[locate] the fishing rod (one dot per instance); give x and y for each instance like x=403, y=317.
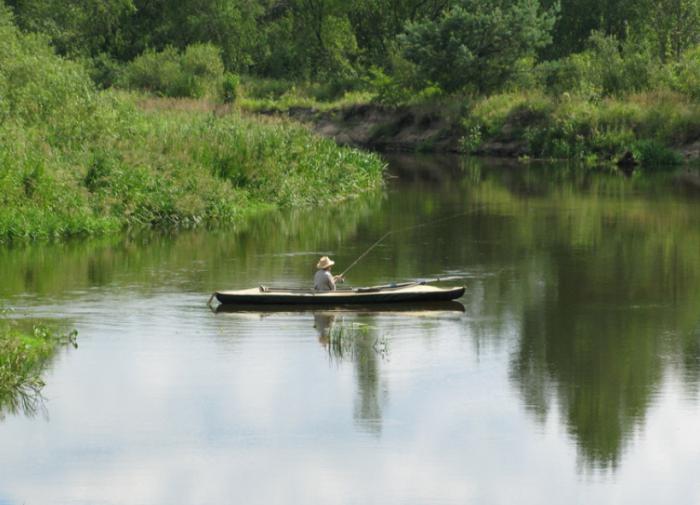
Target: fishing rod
x=365, y=253
x=429, y=223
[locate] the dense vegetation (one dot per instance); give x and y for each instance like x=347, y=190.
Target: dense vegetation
x=77, y=161
x=597, y=78
x=333, y=41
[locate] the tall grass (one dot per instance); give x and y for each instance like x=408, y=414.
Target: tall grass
x=75, y=161
x=258, y=94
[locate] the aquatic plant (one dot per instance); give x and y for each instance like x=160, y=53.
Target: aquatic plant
x=24, y=354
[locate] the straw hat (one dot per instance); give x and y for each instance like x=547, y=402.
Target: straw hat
x=325, y=262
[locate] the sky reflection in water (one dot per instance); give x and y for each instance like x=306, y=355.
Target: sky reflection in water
x=570, y=377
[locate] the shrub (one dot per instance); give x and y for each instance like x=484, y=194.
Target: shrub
x=389, y=91
x=684, y=75
x=230, y=85
x=606, y=68
x=195, y=73
x=653, y=154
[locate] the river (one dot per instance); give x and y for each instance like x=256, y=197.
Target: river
x=570, y=373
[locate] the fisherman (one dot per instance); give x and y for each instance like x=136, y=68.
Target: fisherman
x=324, y=280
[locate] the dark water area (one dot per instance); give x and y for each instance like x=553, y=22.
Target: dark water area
x=570, y=373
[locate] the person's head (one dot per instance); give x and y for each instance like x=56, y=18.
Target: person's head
x=325, y=263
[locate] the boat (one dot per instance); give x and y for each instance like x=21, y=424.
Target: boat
x=385, y=294
x=405, y=308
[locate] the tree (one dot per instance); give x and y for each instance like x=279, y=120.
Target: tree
x=578, y=19
x=376, y=23
x=75, y=27
x=308, y=39
x=675, y=26
x=476, y=43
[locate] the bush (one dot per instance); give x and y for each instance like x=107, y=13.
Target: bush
x=388, y=90
x=195, y=73
x=684, y=75
x=37, y=87
x=652, y=154
x=607, y=68
x=230, y=85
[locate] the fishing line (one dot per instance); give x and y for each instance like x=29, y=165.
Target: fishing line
x=420, y=225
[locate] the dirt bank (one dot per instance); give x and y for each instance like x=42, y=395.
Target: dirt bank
x=423, y=129
x=383, y=128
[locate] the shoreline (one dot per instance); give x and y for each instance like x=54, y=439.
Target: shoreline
x=526, y=129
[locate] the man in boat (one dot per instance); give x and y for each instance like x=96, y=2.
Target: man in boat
x=324, y=280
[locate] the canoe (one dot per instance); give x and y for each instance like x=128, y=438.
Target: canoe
x=417, y=309
x=407, y=292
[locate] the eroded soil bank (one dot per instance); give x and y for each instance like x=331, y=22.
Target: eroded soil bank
x=427, y=129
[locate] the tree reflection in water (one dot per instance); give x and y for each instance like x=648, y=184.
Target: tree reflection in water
x=604, y=286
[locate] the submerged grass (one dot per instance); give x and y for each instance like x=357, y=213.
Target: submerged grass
x=24, y=352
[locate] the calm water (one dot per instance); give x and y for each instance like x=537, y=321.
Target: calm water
x=572, y=374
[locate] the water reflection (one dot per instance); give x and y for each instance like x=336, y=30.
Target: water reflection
x=352, y=336
x=27, y=350
x=323, y=323
x=577, y=341
x=25, y=400
x=599, y=274
x=358, y=343
x=605, y=291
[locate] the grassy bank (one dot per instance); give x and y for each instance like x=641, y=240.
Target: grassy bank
x=655, y=127
x=75, y=161
x=23, y=354
x=169, y=168
x=659, y=128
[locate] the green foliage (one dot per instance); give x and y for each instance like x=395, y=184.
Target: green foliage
x=476, y=43
x=74, y=161
x=389, y=90
x=606, y=68
x=578, y=19
x=577, y=128
x=196, y=72
x=684, y=75
x=230, y=86
x=653, y=154
x=673, y=26
x=76, y=28
x=281, y=95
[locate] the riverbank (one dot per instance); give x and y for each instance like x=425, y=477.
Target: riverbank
x=24, y=352
x=78, y=161
x=655, y=129
x=158, y=166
